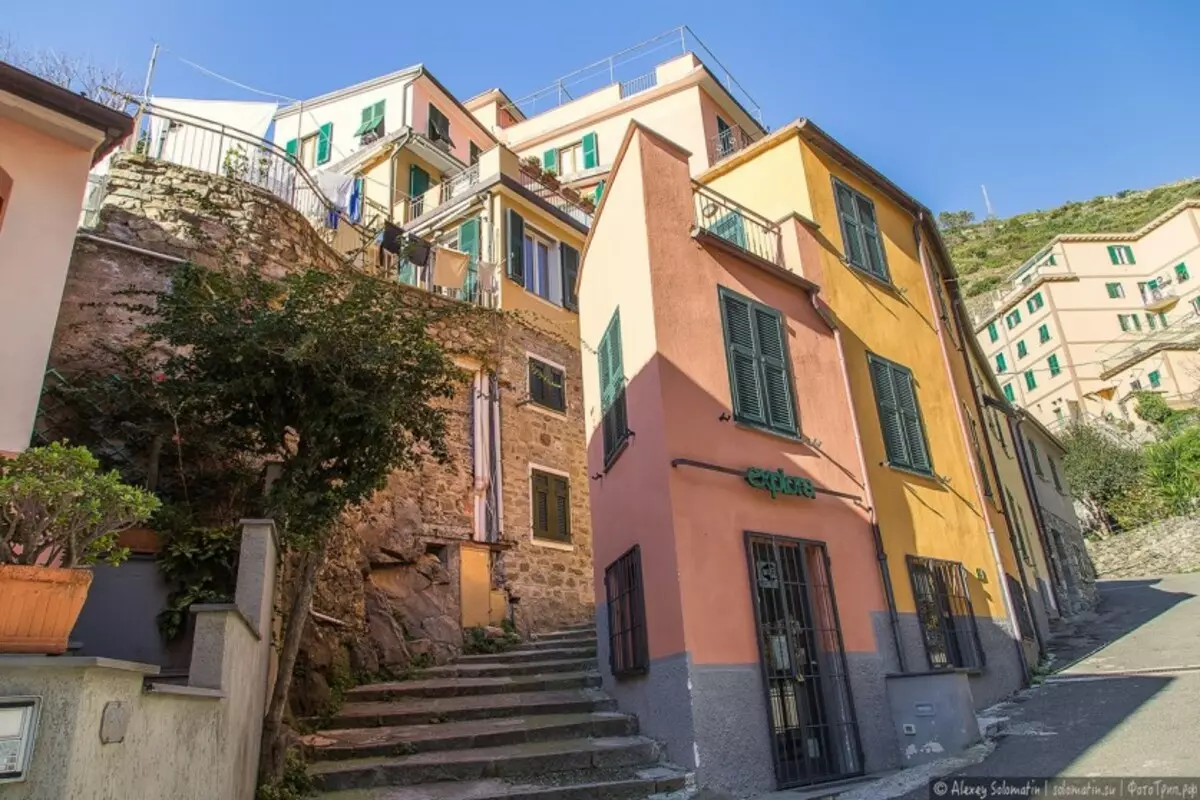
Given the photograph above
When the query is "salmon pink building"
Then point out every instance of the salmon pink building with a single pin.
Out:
(731, 539)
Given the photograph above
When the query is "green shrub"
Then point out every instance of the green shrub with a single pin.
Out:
(476, 641)
(293, 784)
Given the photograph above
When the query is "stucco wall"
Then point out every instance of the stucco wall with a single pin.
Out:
(345, 114)
(41, 213)
(197, 741)
(464, 128)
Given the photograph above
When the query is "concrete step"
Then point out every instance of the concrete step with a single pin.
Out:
(475, 669)
(458, 687)
(348, 743)
(625, 783)
(530, 652)
(418, 710)
(508, 761)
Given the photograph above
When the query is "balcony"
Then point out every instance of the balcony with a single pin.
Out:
(986, 305)
(1127, 350)
(717, 215)
(1158, 297)
(727, 142)
(499, 163)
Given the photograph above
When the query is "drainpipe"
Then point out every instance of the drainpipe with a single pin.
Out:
(1031, 489)
(962, 423)
(392, 183)
(880, 553)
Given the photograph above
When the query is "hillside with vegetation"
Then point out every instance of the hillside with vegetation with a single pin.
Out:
(985, 252)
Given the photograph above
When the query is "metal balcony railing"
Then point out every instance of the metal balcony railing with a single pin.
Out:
(716, 214)
(460, 183)
(1128, 349)
(727, 142)
(639, 84)
(480, 275)
(554, 195)
(1156, 298)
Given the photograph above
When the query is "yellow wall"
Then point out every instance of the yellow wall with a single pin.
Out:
(546, 315)
(917, 515)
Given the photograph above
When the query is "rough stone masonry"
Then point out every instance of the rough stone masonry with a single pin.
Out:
(389, 590)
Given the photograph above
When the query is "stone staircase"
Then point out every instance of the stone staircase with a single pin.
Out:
(529, 723)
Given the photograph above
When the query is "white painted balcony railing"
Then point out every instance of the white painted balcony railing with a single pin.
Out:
(716, 214)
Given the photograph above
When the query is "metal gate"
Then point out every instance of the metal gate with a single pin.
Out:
(813, 729)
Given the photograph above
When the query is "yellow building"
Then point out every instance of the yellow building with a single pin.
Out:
(946, 550)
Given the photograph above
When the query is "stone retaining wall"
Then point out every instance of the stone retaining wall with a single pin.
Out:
(1162, 548)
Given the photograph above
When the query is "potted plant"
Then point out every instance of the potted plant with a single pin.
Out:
(532, 165)
(58, 514)
(550, 179)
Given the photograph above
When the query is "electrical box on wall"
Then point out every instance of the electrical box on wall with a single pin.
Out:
(18, 726)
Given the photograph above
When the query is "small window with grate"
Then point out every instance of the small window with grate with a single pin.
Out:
(546, 385)
(945, 613)
(1024, 620)
(551, 510)
(628, 652)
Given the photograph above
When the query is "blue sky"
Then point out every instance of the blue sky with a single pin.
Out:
(1041, 101)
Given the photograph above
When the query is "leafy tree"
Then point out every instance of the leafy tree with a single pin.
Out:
(1101, 471)
(953, 220)
(333, 378)
(1173, 470)
(1167, 421)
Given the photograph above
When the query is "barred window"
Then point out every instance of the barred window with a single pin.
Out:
(1024, 620)
(628, 652)
(945, 613)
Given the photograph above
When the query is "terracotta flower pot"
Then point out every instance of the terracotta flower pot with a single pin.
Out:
(39, 606)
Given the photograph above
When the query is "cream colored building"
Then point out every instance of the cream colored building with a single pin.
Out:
(683, 98)
(49, 139)
(1092, 319)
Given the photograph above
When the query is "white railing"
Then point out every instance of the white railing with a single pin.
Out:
(460, 183)
(639, 84)
(1158, 295)
(983, 306)
(1119, 352)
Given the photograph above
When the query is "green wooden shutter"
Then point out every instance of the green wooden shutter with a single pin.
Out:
(516, 247)
(1155, 379)
(1052, 362)
(1043, 333)
(731, 227)
(291, 148)
(1129, 259)
(325, 143)
(612, 368)
(537, 382)
(1124, 323)
(591, 157)
(468, 238)
(1030, 380)
(1137, 322)
(541, 505)
(1010, 393)
(851, 230)
(599, 192)
(1022, 350)
(1001, 363)
(910, 414)
(1181, 272)
(418, 182)
(1112, 254)
(561, 491)
(741, 353)
(569, 258)
(890, 419)
(550, 160)
(776, 372)
(992, 333)
(876, 262)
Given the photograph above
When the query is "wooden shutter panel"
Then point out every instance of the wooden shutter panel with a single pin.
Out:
(1112, 254)
(556, 392)
(890, 421)
(569, 258)
(851, 231)
(537, 385)
(418, 182)
(591, 156)
(914, 433)
(541, 505)
(776, 374)
(731, 227)
(550, 160)
(870, 232)
(325, 143)
(599, 192)
(516, 249)
(743, 361)
(291, 148)
(561, 528)
(468, 238)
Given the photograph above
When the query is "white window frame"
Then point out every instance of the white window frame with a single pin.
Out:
(1123, 252)
(305, 161)
(576, 151)
(529, 389)
(568, 548)
(554, 293)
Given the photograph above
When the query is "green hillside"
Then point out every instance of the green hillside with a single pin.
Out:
(984, 252)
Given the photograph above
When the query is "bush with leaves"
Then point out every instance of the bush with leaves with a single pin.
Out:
(1173, 471)
(57, 507)
(199, 563)
(1104, 474)
(333, 378)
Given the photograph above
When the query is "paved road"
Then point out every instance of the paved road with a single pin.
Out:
(1127, 698)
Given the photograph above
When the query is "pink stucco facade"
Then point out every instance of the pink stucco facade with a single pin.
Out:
(46, 174)
(464, 128)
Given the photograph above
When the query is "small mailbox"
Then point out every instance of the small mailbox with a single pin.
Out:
(18, 726)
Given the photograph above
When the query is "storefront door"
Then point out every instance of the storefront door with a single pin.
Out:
(813, 730)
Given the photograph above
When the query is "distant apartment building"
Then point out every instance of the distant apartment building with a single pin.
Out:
(1092, 319)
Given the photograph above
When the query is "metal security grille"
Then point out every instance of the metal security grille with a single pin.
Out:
(628, 653)
(814, 733)
(1024, 620)
(945, 612)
